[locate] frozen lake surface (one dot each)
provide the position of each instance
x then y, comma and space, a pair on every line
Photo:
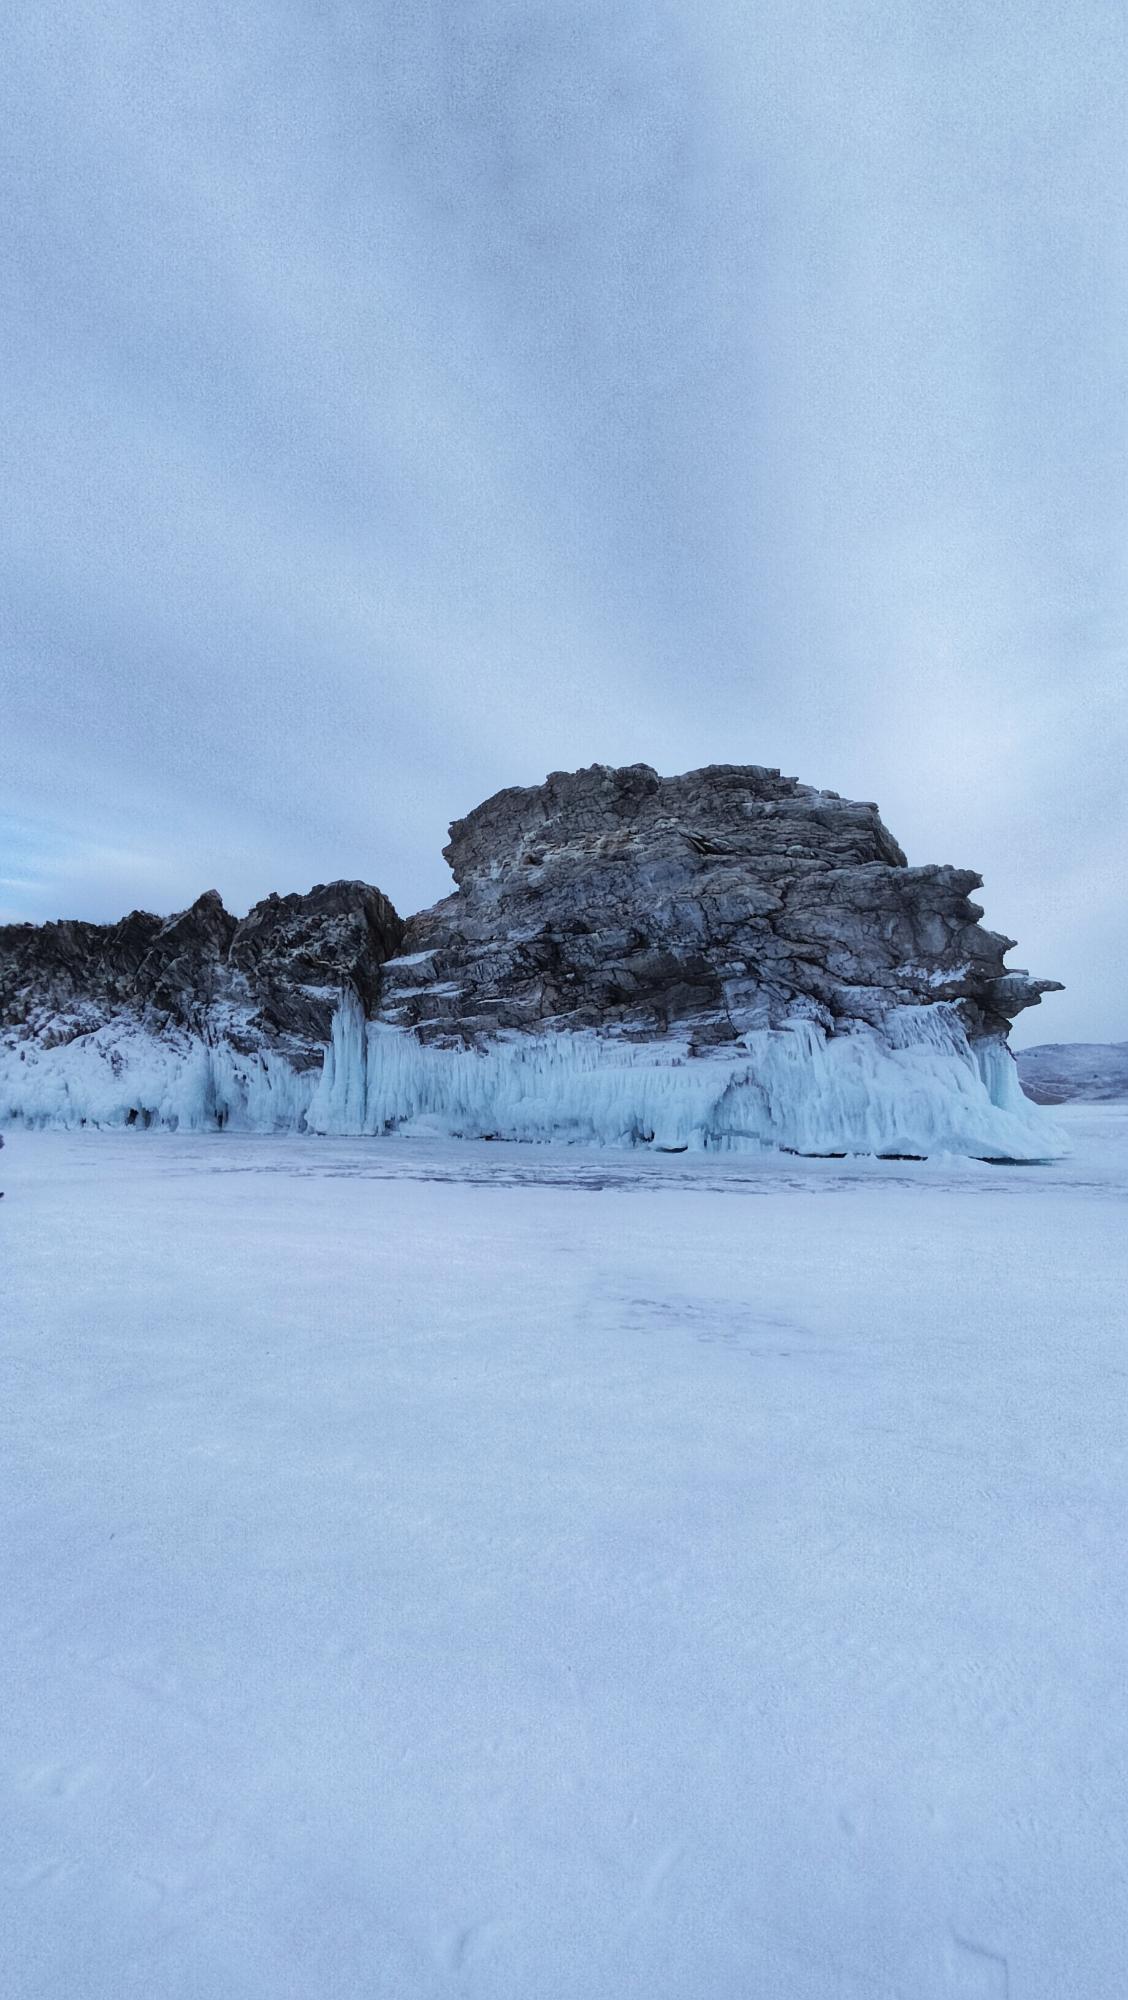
524, 1574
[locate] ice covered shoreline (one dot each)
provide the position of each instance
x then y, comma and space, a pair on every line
916, 1087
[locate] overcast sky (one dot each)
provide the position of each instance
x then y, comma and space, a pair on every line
403, 401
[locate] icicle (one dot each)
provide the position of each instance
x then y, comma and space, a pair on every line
916, 1086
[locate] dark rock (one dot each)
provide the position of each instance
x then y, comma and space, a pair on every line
298, 953
727, 899
272, 980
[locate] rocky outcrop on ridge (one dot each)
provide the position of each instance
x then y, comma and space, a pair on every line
707, 905
269, 981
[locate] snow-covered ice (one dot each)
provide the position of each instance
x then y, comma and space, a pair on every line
507, 1572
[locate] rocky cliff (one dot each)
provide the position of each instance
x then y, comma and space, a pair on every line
723, 958
712, 904
270, 981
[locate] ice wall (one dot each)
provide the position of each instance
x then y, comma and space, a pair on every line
916, 1087
123, 1075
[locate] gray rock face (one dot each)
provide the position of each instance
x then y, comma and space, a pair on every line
710, 904
689, 911
1075, 1072
271, 981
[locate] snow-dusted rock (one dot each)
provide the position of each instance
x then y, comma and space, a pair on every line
191, 1019
1082, 1072
727, 900
728, 958
272, 979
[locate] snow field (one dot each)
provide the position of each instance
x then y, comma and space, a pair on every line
477, 1571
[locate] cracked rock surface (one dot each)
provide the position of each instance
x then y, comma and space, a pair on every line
270, 981
706, 905
728, 899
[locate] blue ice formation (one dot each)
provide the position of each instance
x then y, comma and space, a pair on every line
916, 1086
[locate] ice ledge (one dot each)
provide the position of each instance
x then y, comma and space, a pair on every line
915, 1087
918, 1087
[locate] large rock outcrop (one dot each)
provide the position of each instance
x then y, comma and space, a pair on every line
707, 905
727, 958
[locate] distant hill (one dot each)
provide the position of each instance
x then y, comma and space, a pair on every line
1084, 1072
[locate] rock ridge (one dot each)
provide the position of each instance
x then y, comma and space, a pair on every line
272, 978
611, 932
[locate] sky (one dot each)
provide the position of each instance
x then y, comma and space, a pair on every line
401, 402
